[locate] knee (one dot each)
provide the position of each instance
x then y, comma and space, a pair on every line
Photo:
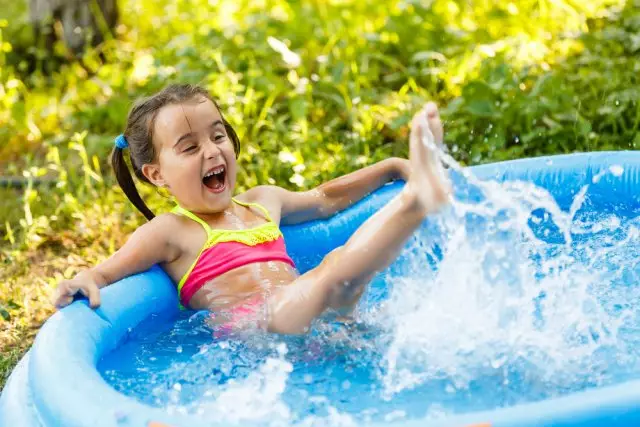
341, 285
328, 264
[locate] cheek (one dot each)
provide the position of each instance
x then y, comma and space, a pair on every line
230, 155
229, 150
178, 169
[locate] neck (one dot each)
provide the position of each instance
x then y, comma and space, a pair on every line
231, 210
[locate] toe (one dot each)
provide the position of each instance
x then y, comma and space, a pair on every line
431, 109
435, 124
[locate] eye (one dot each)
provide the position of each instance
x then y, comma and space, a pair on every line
219, 136
189, 148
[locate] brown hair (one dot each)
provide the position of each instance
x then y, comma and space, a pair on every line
139, 136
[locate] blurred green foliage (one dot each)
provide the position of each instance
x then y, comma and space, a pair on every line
315, 89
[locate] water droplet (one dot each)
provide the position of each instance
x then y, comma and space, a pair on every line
496, 363
616, 170
282, 349
493, 272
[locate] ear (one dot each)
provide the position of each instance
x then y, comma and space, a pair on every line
152, 172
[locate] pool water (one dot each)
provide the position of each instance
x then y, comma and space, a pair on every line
496, 301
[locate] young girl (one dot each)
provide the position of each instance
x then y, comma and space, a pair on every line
227, 254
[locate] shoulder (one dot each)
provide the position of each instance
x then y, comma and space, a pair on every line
263, 194
167, 231
269, 196
162, 228
167, 220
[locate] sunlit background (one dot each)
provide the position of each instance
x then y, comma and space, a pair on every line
314, 89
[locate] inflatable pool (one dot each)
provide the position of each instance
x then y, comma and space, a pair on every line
58, 382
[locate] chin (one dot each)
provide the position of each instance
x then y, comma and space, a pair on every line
219, 202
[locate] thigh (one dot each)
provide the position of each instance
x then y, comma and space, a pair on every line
292, 308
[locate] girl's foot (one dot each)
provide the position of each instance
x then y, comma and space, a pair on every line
428, 182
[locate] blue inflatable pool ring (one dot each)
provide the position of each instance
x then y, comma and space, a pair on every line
57, 382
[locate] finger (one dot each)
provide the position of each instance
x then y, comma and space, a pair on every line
62, 296
63, 290
94, 296
63, 301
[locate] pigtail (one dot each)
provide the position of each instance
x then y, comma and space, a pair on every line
123, 175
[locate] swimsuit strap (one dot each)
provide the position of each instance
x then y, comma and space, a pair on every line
211, 233
182, 211
256, 205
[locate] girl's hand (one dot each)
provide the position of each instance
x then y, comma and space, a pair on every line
85, 283
153, 243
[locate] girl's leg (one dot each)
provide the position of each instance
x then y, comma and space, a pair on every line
342, 275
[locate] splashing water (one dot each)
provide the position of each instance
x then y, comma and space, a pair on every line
526, 298
503, 298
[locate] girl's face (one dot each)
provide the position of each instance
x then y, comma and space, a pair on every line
196, 158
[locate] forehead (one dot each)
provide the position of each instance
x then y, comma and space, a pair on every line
175, 120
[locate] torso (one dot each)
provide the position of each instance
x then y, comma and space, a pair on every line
240, 284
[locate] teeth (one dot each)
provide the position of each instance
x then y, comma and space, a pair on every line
219, 169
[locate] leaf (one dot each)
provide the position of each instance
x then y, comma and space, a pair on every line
478, 90
298, 108
539, 86
13, 305
552, 124
427, 55
400, 121
583, 126
481, 108
4, 313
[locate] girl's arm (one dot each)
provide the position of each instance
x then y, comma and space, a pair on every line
338, 194
148, 245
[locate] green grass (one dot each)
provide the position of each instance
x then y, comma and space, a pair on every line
516, 79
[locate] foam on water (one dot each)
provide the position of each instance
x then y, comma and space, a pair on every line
502, 298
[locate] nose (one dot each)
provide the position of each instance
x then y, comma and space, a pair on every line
211, 150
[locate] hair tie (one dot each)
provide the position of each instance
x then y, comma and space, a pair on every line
121, 142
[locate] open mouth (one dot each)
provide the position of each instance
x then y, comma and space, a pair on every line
214, 180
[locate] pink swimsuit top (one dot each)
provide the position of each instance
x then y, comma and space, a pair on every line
226, 250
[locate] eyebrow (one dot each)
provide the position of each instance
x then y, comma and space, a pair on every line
186, 135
